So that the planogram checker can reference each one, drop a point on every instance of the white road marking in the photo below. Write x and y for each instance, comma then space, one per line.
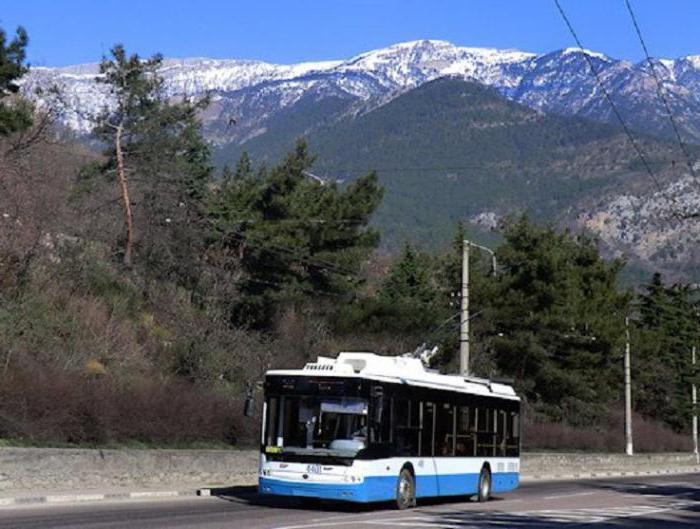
574, 495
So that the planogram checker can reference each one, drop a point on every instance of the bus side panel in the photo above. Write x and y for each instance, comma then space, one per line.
505, 481
386, 472
382, 477
460, 476
426, 478
457, 476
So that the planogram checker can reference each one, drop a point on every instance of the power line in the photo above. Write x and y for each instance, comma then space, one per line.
659, 90
297, 221
626, 129
308, 259
488, 165
283, 285
279, 284
246, 236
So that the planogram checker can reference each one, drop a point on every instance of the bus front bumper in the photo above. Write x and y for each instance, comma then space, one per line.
359, 492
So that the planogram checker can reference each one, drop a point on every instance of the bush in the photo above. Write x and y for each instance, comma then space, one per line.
69, 408
607, 436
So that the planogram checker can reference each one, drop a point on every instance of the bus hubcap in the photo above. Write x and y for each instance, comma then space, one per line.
405, 490
485, 486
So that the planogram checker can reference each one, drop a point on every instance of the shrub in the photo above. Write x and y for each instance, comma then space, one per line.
649, 435
58, 407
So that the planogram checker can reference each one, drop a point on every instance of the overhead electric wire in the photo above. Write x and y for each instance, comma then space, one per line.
344, 171
279, 284
308, 259
615, 110
659, 91
283, 285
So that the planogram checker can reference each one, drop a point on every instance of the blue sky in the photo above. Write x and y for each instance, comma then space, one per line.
74, 31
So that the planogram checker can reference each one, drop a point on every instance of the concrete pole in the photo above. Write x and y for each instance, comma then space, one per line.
695, 415
629, 448
464, 313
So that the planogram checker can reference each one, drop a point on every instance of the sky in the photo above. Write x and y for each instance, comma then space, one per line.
64, 32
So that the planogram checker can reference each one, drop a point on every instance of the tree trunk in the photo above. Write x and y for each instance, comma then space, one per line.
121, 177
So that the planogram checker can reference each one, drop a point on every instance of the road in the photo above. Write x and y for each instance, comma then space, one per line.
652, 502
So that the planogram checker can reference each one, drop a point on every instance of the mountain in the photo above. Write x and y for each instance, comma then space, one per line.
254, 92
461, 133
452, 150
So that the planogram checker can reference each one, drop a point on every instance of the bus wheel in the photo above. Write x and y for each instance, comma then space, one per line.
484, 485
405, 490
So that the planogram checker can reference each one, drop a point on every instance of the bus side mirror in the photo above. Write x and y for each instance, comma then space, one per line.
249, 405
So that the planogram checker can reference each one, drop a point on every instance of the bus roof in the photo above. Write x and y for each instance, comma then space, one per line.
398, 369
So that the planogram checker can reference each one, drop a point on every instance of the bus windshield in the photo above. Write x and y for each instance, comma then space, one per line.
333, 426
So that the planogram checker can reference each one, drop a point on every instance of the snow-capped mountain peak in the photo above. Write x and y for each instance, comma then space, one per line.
559, 81
580, 51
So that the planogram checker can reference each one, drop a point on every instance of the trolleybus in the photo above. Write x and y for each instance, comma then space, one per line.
369, 428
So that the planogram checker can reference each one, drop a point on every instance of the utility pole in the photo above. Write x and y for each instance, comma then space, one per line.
695, 414
464, 306
464, 313
629, 449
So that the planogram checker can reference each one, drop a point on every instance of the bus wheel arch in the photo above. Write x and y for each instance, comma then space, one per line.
485, 483
406, 487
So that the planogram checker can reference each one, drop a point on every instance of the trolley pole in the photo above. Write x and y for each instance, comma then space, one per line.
629, 448
464, 313
695, 413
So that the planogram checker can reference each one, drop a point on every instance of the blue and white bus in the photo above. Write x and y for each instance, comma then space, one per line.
369, 428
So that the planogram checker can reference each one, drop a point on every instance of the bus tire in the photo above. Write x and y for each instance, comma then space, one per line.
405, 490
484, 493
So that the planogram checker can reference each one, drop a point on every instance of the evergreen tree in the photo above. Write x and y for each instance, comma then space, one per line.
15, 115
294, 237
407, 302
560, 321
155, 149
663, 338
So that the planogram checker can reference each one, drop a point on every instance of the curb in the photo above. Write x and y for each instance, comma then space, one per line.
205, 492
597, 475
94, 497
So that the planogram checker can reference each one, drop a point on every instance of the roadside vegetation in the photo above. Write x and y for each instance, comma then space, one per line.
142, 289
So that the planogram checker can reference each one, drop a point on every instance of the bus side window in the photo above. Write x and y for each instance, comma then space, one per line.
271, 422
381, 433
427, 445
476, 430
501, 433
406, 427
464, 443
513, 448
486, 442
444, 430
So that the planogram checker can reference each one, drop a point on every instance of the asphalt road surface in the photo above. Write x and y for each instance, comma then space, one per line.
653, 502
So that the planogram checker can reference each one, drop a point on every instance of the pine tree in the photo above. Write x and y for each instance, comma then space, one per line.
663, 338
161, 163
295, 237
15, 115
559, 321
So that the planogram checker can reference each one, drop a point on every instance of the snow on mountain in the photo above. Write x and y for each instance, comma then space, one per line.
260, 96
558, 82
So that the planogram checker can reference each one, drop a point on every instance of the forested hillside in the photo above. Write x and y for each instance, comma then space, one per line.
451, 149
142, 290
